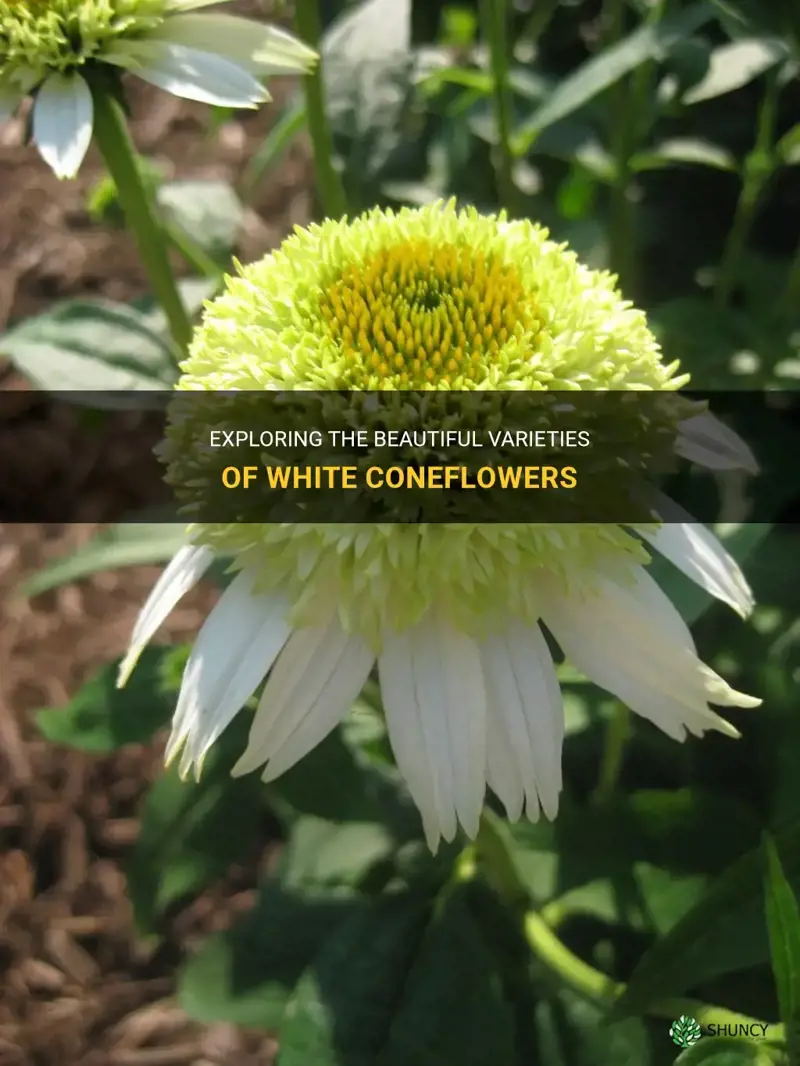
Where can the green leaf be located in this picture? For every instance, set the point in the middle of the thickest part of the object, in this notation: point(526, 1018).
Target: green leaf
point(652, 41)
point(246, 974)
point(783, 923)
point(400, 984)
point(94, 346)
point(103, 718)
point(289, 125)
point(736, 64)
point(322, 853)
point(724, 1051)
point(342, 1007)
point(127, 544)
point(724, 933)
point(788, 147)
point(687, 150)
point(479, 81)
point(191, 832)
point(210, 213)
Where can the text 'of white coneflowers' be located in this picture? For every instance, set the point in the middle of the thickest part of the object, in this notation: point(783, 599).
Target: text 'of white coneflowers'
point(451, 616)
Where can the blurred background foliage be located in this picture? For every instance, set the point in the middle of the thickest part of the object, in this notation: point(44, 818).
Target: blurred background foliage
point(661, 139)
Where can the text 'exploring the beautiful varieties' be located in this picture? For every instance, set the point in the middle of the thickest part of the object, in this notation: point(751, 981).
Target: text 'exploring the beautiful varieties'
point(629, 457)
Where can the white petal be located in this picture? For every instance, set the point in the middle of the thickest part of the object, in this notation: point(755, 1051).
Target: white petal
point(705, 440)
point(663, 640)
point(697, 552)
point(623, 648)
point(435, 702)
point(256, 46)
point(189, 73)
point(233, 653)
point(525, 728)
point(183, 572)
point(643, 592)
point(458, 660)
point(316, 679)
point(503, 773)
point(9, 102)
point(404, 716)
point(62, 123)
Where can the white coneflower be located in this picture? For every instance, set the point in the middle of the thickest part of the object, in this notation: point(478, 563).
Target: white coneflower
point(452, 615)
point(51, 48)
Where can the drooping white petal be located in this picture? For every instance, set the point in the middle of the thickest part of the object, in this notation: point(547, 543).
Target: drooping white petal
point(62, 123)
point(525, 720)
point(697, 552)
point(256, 46)
point(663, 636)
point(233, 653)
point(435, 702)
point(189, 73)
point(318, 676)
point(703, 439)
point(626, 649)
point(183, 572)
point(642, 592)
point(9, 102)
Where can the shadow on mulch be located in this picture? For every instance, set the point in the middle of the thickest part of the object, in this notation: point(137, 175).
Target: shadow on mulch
point(76, 988)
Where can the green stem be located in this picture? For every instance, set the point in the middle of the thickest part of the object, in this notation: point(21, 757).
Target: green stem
point(567, 967)
point(629, 130)
point(613, 751)
point(621, 228)
point(192, 252)
point(757, 171)
point(494, 18)
point(329, 182)
point(119, 155)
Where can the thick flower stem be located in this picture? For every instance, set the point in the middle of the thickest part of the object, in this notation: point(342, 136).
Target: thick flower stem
point(566, 967)
point(758, 169)
point(329, 184)
point(119, 154)
point(494, 18)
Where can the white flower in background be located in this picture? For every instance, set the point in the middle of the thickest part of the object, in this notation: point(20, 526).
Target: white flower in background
point(51, 48)
point(451, 615)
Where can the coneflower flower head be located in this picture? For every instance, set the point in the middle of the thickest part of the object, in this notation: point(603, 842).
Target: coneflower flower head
point(434, 299)
point(54, 47)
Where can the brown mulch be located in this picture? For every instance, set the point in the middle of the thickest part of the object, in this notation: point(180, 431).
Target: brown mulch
point(76, 986)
